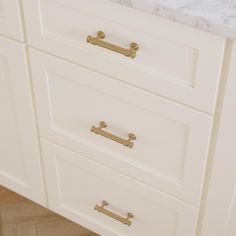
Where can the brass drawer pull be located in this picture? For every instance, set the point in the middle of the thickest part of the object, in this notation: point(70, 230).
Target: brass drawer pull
point(99, 130)
point(102, 209)
point(130, 52)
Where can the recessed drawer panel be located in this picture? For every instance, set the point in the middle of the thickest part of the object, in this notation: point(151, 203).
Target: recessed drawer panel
point(76, 186)
point(174, 61)
point(170, 149)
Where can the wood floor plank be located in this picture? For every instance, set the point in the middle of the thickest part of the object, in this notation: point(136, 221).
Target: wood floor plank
point(23, 211)
point(21, 217)
point(8, 197)
point(12, 229)
point(29, 230)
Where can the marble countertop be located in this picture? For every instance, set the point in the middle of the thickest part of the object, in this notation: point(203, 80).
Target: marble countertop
point(215, 16)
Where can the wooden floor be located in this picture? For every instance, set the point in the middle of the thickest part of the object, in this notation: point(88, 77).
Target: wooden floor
point(21, 217)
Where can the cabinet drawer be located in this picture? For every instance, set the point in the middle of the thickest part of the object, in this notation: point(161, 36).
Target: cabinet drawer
point(76, 185)
point(171, 143)
point(10, 19)
point(173, 60)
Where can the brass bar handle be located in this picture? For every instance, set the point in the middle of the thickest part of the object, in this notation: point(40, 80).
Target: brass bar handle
point(97, 40)
point(99, 130)
point(104, 211)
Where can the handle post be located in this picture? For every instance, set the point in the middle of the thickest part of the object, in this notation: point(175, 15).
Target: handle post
point(125, 220)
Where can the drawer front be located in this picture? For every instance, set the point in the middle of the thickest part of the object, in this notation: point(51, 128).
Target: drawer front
point(171, 143)
point(76, 185)
point(172, 60)
point(10, 19)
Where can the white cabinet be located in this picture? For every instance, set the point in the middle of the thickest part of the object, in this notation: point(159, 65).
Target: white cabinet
point(20, 167)
point(10, 19)
point(165, 93)
point(220, 210)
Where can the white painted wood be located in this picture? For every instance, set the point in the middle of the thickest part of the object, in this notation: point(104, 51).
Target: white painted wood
point(169, 156)
point(175, 61)
point(10, 19)
point(76, 185)
point(220, 211)
point(172, 141)
point(20, 168)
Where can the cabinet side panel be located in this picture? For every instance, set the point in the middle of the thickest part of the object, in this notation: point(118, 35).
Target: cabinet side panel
point(20, 165)
point(220, 205)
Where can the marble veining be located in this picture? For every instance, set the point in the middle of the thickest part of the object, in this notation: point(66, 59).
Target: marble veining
point(215, 16)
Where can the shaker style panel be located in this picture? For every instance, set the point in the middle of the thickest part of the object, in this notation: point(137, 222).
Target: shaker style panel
point(156, 141)
point(10, 19)
point(169, 59)
point(108, 202)
point(20, 168)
